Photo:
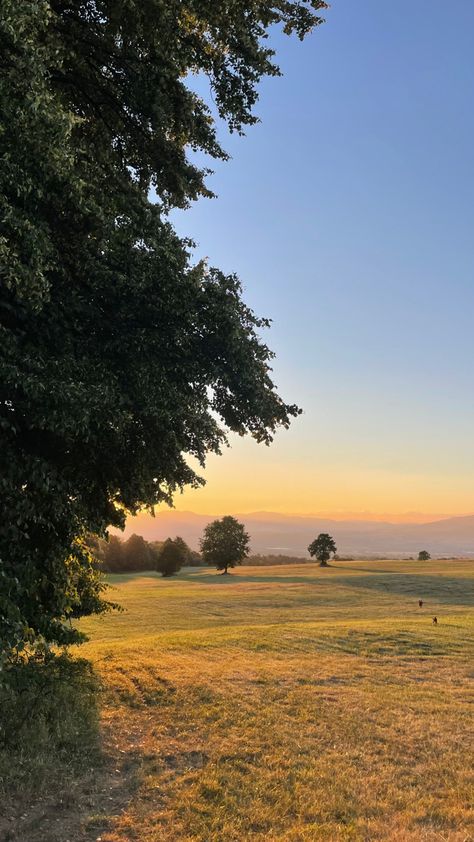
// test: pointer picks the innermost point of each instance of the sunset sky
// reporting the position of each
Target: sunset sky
(348, 215)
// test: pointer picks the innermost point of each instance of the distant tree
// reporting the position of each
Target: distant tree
(424, 555)
(172, 557)
(137, 554)
(196, 559)
(155, 548)
(322, 548)
(260, 560)
(186, 551)
(96, 546)
(114, 556)
(225, 543)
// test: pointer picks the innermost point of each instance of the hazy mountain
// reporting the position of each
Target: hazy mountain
(289, 534)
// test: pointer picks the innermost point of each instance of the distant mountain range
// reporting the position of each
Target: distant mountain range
(273, 533)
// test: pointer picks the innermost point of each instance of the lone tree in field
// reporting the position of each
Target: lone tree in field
(424, 555)
(225, 543)
(322, 548)
(119, 358)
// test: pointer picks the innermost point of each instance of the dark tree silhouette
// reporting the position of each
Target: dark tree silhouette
(322, 548)
(172, 557)
(114, 556)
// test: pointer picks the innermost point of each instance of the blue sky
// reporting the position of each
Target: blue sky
(348, 214)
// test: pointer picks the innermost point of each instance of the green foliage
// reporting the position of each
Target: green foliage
(137, 554)
(225, 543)
(119, 359)
(48, 723)
(424, 555)
(172, 557)
(322, 548)
(186, 552)
(113, 555)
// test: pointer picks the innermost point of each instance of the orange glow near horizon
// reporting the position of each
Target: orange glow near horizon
(251, 478)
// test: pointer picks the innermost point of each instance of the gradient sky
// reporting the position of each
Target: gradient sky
(348, 215)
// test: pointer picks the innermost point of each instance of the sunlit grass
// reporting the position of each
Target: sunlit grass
(292, 703)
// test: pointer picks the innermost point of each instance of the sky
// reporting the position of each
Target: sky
(348, 215)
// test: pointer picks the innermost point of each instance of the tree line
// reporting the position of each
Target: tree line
(136, 554)
(224, 544)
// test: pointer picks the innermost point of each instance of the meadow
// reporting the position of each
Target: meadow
(281, 703)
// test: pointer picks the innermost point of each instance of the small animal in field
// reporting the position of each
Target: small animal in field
(420, 603)
(435, 621)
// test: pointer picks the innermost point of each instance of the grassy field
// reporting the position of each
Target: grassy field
(282, 703)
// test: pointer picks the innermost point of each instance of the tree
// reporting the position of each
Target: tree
(97, 547)
(172, 557)
(424, 555)
(225, 543)
(322, 548)
(155, 548)
(137, 554)
(114, 556)
(187, 553)
(119, 359)
(196, 559)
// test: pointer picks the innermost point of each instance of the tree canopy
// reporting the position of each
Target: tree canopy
(119, 358)
(172, 557)
(322, 548)
(424, 555)
(225, 543)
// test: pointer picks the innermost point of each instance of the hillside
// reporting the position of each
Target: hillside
(289, 534)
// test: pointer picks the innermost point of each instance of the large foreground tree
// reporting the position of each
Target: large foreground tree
(119, 359)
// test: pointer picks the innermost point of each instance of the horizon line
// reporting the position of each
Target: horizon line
(409, 517)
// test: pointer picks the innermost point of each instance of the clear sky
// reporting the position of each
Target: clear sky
(348, 214)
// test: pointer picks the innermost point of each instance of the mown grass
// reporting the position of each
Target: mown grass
(287, 703)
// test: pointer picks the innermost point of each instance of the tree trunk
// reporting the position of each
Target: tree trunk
(323, 563)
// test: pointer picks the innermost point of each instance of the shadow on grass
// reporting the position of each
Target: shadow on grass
(238, 576)
(54, 771)
(452, 591)
(439, 588)
(48, 713)
(122, 578)
(200, 575)
(432, 588)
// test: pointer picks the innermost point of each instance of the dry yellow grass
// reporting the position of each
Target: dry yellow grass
(287, 703)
